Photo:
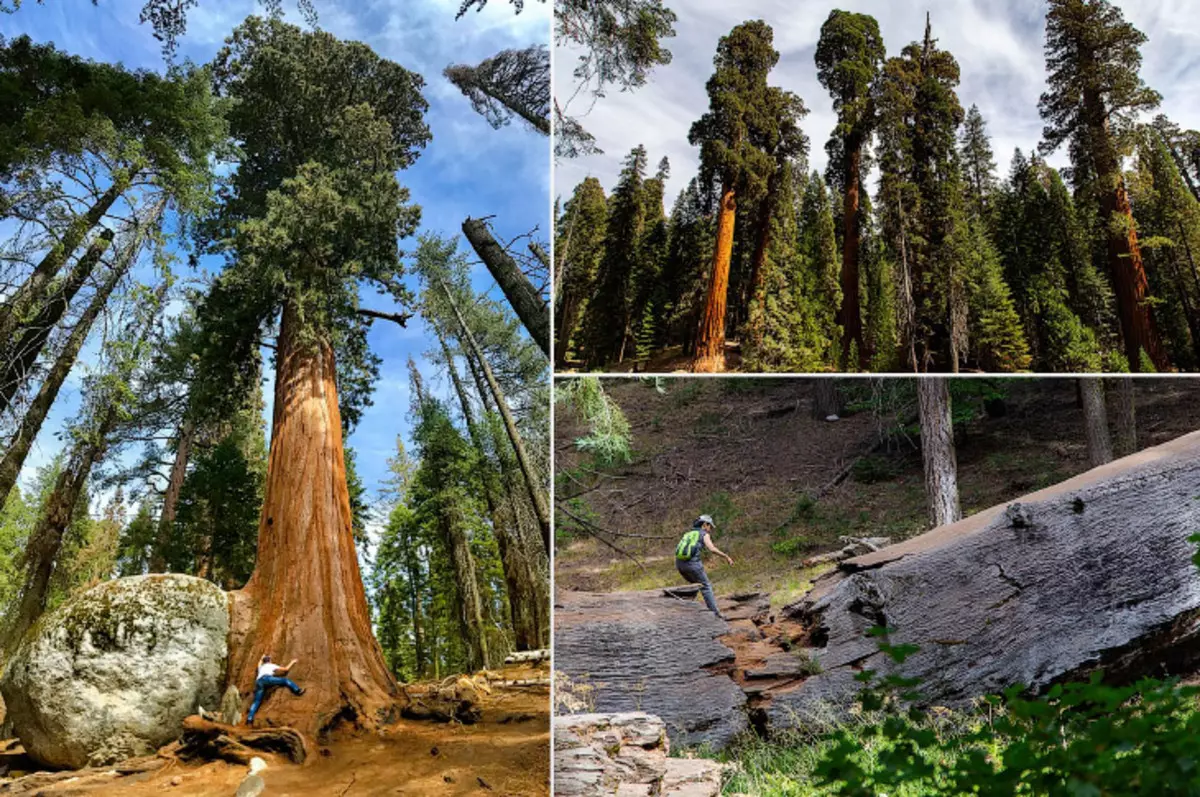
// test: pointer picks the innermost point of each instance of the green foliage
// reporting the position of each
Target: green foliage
(608, 438)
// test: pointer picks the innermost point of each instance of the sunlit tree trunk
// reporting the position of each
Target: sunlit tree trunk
(710, 338)
(166, 518)
(305, 599)
(521, 294)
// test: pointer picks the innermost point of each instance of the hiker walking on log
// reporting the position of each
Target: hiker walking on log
(270, 676)
(687, 559)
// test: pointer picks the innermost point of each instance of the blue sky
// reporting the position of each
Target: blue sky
(998, 44)
(467, 169)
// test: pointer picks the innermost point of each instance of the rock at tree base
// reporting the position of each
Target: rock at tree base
(112, 673)
(642, 651)
(1095, 572)
(625, 754)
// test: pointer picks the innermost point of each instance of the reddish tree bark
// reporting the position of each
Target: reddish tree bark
(166, 519)
(710, 337)
(305, 599)
(850, 314)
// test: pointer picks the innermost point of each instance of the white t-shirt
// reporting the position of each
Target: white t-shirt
(268, 668)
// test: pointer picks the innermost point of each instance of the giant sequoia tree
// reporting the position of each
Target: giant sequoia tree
(740, 111)
(849, 56)
(313, 208)
(1095, 92)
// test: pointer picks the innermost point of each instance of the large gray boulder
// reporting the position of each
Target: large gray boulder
(112, 673)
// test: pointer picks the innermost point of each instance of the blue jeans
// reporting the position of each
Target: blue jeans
(264, 685)
(693, 573)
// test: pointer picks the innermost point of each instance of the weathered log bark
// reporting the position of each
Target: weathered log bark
(1126, 442)
(525, 301)
(305, 599)
(32, 292)
(937, 450)
(536, 491)
(710, 336)
(166, 518)
(1093, 573)
(518, 572)
(1095, 421)
(651, 653)
(850, 313)
(20, 356)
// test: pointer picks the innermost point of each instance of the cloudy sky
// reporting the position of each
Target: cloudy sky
(998, 44)
(467, 169)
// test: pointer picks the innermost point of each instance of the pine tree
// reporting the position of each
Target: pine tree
(512, 82)
(849, 56)
(1095, 92)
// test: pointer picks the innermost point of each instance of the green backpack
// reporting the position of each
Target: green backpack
(686, 548)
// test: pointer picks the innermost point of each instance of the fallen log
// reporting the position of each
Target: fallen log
(527, 655)
(212, 740)
(1093, 573)
(34, 782)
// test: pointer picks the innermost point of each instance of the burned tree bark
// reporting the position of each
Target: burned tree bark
(825, 402)
(1095, 421)
(710, 337)
(937, 450)
(305, 599)
(525, 301)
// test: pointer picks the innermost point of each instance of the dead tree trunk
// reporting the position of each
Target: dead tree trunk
(937, 450)
(305, 599)
(21, 356)
(1095, 421)
(530, 308)
(536, 491)
(1126, 442)
(166, 518)
(710, 337)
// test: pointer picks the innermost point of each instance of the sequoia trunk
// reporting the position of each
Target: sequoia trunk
(710, 337)
(305, 599)
(851, 311)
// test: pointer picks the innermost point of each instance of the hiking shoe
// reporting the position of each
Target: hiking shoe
(301, 692)
(721, 617)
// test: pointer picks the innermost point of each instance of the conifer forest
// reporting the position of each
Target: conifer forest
(245, 352)
(918, 247)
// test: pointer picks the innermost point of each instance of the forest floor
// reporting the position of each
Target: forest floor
(507, 752)
(784, 487)
(666, 361)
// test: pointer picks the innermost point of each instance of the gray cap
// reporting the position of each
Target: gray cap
(706, 519)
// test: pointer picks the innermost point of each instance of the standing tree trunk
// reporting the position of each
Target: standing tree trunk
(1126, 442)
(33, 291)
(166, 519)
(536, 491)
(850, 314)
(937, 450)
(826, 402)
(1095, 421)
(566, 320)
(762, 245)
(305, 599)
(19, 358)
(39, 408)
(520, 293)
(522, 599)
(710, 337)
(1125, 264)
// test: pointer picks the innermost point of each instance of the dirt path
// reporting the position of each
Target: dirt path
(506, 753)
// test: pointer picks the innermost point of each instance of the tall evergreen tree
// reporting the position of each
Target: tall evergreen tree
(849, 56)
(1095, 93)
(578, 250)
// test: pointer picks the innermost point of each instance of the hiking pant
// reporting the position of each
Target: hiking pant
(693, 573)
(264, 685)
